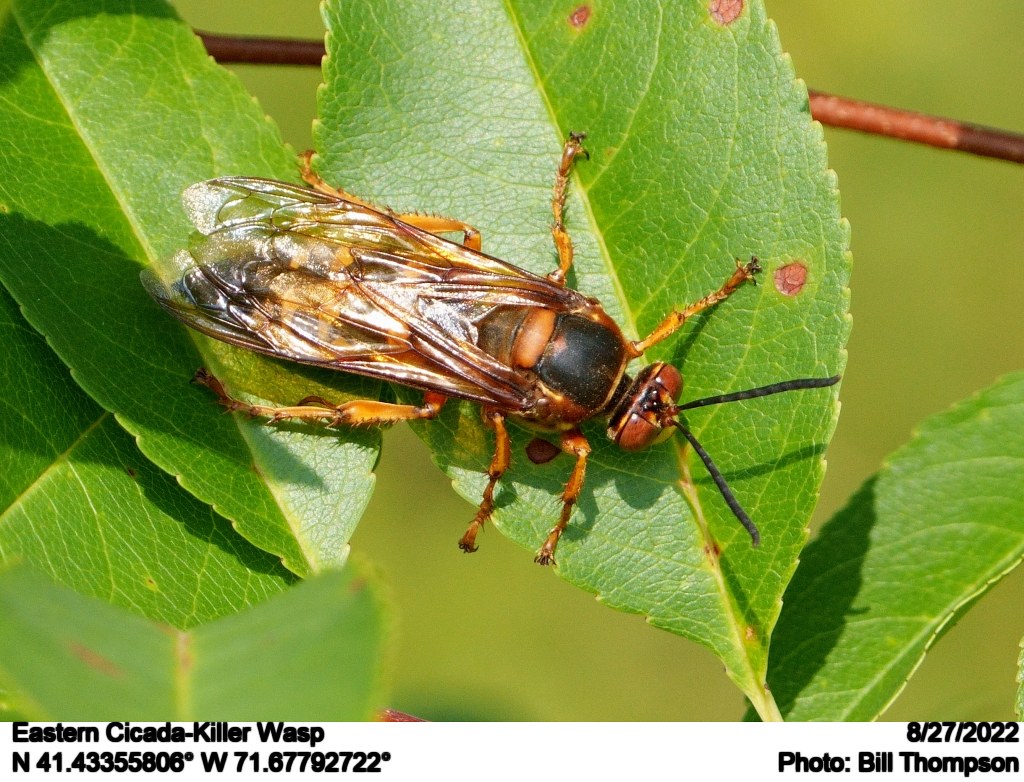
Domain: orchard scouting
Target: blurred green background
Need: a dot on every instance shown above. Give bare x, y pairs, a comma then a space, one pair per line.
938, 292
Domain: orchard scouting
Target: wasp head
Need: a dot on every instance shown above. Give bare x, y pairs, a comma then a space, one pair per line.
647, 411
643, 414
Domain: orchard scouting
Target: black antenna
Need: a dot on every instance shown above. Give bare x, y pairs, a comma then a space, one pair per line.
774, 388
736, 396
723, 487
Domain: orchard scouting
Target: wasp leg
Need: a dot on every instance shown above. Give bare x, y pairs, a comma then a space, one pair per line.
744, 273
499, 463
575, 444
563, 243
432, 223
311, 178
361, 412
436, 224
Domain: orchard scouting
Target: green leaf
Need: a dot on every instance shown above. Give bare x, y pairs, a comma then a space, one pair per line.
312, 652
702, 151
79, 502
109, 117
941, 522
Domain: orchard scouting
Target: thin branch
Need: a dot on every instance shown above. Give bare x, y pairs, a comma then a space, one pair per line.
262, 51
828, 109
912, 126
393, 715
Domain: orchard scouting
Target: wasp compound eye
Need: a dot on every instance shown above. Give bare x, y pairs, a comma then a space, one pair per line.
638, 420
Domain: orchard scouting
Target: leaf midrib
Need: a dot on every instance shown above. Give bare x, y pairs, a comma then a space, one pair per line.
729, 608
142, 238
582, 193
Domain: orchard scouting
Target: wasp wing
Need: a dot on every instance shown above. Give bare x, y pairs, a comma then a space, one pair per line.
297, 274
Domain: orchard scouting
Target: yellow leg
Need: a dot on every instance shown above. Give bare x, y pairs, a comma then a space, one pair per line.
436, 224
563, 243
311, 178
575, 444
362, 412
499, 463
432, 223
672, 322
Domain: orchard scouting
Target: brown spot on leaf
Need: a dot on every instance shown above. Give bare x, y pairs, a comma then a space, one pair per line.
580, 17
750, 634
540, 451
725, 11
131, 472
96, 660
356, 586
790, 279
712, 549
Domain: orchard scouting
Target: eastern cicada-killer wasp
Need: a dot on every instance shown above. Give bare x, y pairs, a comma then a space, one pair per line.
319, 276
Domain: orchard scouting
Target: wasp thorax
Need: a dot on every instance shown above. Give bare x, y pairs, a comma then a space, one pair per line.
639, 418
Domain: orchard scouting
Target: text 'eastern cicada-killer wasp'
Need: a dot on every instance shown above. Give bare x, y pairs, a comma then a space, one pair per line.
319, 276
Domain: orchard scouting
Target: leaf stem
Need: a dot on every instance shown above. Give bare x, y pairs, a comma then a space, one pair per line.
765, 706
833, 110
750, 677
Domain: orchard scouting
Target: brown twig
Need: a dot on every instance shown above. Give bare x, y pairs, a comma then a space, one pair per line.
393, 715
262, 51
912, 126
828, 109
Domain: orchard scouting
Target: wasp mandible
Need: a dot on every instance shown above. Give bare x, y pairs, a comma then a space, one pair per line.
319, 276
